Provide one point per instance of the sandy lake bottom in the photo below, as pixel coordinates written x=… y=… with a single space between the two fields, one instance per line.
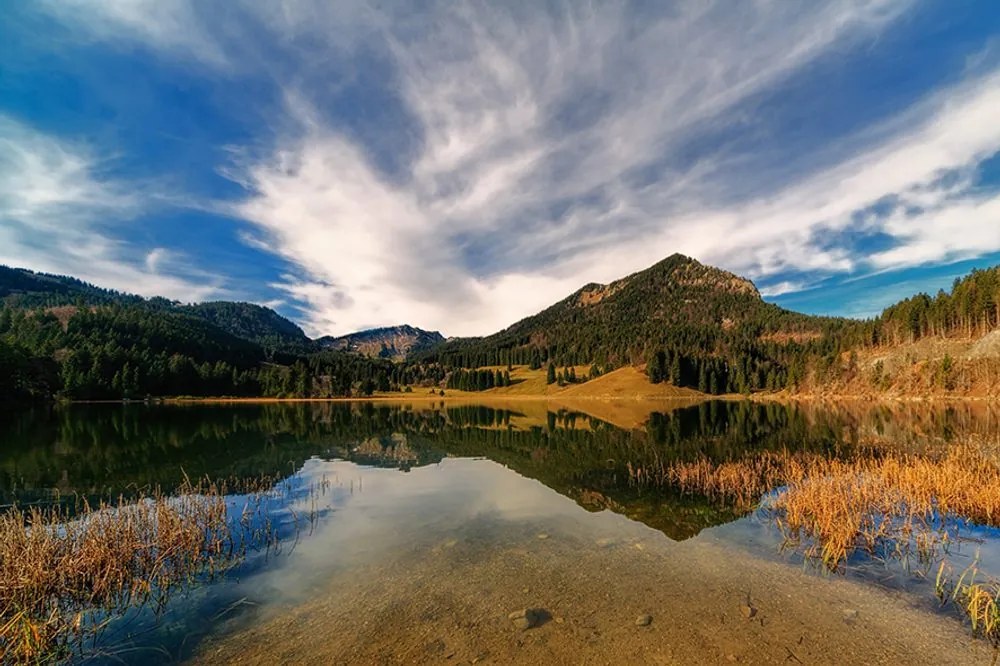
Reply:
x=427 y=566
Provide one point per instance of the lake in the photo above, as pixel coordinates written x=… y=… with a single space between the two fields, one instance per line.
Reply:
x=408 y=533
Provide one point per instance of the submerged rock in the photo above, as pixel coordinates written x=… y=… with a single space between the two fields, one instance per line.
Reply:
x=643 y=620
x=526 y=618
x=749 y=612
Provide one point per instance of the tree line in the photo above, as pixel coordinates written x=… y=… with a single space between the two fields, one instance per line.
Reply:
x=120 y=351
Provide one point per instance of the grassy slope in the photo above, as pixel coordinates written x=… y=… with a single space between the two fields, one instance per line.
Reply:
x=628 y=382
x=623 y=397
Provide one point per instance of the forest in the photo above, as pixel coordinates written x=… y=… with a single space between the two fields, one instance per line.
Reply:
x=130 y=352
x=689 y=325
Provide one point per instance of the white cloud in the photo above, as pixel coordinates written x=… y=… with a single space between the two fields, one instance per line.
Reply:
x=176 y=25
x=57 y=213
x=551 y=150
x=494 y=95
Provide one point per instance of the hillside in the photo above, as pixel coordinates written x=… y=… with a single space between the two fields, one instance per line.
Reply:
x=63 y=337
x=712 y=328
x=20 y=287
x=252 y=322
x=393 y=342
x=677 y=300
x=698 y=327
x=676 y=329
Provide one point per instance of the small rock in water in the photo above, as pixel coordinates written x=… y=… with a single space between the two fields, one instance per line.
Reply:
x=526 y=618
x=605 y=542
x=643 y=620
x=850 y=615
x=748 y=611
x=543 y=536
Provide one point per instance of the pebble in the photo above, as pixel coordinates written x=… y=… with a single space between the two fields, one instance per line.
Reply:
x=543 y=536
x=526 y=618
x=748 y=611
x=850 y=615
x=643 y=620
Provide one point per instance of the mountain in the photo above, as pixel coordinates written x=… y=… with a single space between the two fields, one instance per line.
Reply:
x=252 y=322
x=679 y=322
x=22 y=288
x=678 y=304
x=393 y=342
x=700 y=327
x=60 y=336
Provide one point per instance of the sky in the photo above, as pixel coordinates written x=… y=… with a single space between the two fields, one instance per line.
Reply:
x=460 y=165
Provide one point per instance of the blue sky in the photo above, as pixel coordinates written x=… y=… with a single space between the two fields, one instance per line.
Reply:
x=457 y=166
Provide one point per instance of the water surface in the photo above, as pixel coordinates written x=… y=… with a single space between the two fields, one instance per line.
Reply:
x=429 y=523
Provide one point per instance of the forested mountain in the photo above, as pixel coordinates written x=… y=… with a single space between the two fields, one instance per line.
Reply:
x=393 y=342
x=63 y=337
x=682 y=322
x=23 y=288
x=255 y=323
x=701 y=326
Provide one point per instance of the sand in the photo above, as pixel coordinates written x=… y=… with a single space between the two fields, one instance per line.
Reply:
x=448 y=603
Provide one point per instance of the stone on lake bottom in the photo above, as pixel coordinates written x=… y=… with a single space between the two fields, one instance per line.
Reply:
x=526 y=618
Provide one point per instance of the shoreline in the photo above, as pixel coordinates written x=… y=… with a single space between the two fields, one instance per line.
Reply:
x=492 y=397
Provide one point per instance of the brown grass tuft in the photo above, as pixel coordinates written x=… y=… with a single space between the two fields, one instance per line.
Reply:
x=889 y=505
x=64 y=574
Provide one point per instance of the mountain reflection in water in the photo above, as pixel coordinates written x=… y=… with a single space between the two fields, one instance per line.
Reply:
x=104 y=450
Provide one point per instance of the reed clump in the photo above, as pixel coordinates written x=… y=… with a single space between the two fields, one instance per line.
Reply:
x=841 y=505
x=888 y=505
x=885 y=504
x=64 y=573
x=979 y=601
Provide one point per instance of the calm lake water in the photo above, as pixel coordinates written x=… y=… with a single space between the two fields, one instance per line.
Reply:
x=359 y=486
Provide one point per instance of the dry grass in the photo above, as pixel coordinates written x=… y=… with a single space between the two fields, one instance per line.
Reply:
x=65 y=574
x=840 y=506
x=980 y=602
x=890 y=505
x=627 y=382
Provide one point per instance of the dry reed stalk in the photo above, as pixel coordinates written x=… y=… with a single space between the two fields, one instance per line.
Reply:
x=893 y=504
x=60 y=573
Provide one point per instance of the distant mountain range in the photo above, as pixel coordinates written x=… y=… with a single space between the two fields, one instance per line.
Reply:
x=679 y=321
x=255 y=323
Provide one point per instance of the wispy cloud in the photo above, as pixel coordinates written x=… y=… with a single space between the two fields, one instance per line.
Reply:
x=59 y=211
x=535 y=131
x=538 y=148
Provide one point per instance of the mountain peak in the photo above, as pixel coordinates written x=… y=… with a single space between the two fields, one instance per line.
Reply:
x=394 y=342
x=676 y=272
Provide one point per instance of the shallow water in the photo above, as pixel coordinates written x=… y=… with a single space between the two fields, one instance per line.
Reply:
x=435 y=509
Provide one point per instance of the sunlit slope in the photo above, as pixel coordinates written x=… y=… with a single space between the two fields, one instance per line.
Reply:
x=627 y=382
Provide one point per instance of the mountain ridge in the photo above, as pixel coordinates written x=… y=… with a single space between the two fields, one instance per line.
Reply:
x=392 y=342
x=684 y=324
x=24 y=288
